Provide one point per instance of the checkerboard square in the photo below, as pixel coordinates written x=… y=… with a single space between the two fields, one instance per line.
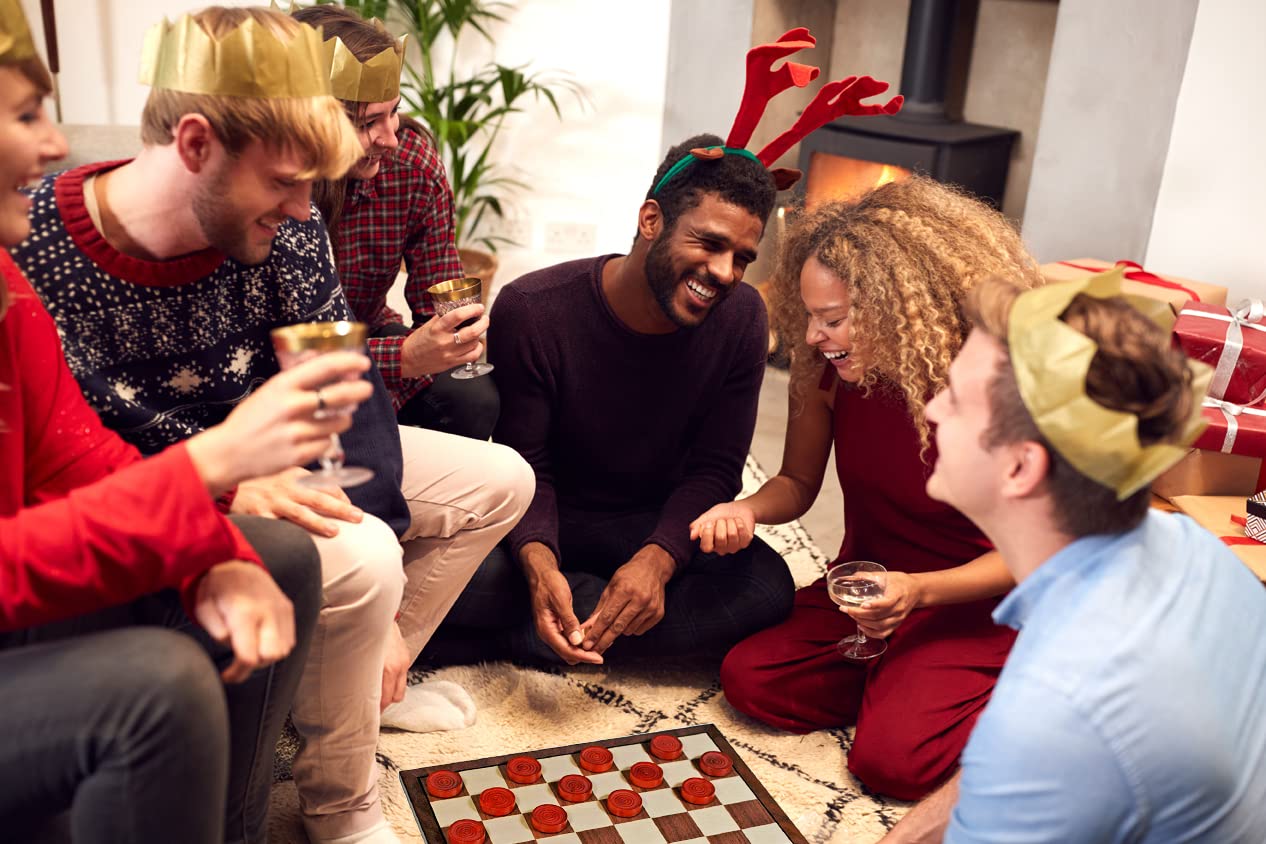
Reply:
x=661 y=802
x=769 y=834
x=732 y=790
x=605 y=835
x=512 y=829
x=565 y=838
x=554 y=768
x=675 y=773
x=714 y=820
x=530 y=796
x=678 y=828
x=605 y=783
x=626 y=756
x=697 y=745
x=643 y=832
x=586 y=816
x=479 y=779
x=448 y=812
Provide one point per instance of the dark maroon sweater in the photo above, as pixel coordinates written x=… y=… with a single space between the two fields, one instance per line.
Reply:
x=615 y=421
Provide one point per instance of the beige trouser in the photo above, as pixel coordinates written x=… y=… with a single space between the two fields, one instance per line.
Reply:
x=463 y=496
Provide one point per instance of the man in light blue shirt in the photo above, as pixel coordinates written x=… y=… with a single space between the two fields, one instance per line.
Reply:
x=1133 y=705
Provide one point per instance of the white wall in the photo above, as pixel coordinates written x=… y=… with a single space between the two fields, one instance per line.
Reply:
x=1209 y=221
x=589 y=171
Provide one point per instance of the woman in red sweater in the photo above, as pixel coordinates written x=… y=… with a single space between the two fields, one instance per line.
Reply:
x=868 y=293
x=122 y=587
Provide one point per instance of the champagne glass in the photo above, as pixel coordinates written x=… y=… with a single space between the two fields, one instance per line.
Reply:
x=851 y=585
x=450 y=295
x=295 y=344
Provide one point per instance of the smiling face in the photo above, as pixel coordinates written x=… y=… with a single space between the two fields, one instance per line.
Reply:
x=241 y=201
x=377 y=129
x=695 y=265
x=968 y=475
x=828 y=304
x=28 y=141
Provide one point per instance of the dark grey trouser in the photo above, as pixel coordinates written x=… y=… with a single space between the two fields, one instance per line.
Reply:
x=121 y=718
x=709 y=606
x=464 y=407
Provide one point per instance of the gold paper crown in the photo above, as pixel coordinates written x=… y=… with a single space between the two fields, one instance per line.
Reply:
x=250 y=61
x=1051 y=359
x=15 y=36
x=374 y=81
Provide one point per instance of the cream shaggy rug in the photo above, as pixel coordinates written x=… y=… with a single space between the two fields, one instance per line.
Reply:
x=523 y=709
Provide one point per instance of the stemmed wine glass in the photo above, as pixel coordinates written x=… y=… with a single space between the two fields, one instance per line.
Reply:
x=851 y=585
x=295 y=344
x=450 y=295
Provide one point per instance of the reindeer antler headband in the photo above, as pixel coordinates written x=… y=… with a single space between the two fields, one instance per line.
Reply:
x=764 y=82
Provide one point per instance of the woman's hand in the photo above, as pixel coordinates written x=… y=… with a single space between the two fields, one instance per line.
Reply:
x=724 y=529
x=880 y=616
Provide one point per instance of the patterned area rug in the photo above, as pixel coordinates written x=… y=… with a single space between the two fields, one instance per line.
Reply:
x=526 y=708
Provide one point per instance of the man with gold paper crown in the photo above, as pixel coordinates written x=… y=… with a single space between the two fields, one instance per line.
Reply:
x=1130 y=708
x=166 y=274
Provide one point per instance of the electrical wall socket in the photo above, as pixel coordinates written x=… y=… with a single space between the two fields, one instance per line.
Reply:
x=517 y=230
x=571 y=238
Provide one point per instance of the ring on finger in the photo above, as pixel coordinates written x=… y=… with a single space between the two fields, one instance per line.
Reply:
x=457 y=337
x=320 y=408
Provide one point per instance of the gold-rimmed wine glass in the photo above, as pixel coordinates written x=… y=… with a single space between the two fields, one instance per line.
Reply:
x=851 y=585
x=295 y=344
x=450 y=295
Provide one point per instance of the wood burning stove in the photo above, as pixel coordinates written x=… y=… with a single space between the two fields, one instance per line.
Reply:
x=850 y=155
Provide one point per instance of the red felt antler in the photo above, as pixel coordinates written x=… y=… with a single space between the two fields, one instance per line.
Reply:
x=764 y=83
x=835 y=99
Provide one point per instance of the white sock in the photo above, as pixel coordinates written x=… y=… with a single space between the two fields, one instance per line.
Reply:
x=379 y=833
x=431 y=707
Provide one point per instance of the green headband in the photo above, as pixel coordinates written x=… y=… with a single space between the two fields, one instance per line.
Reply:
x=690 y=158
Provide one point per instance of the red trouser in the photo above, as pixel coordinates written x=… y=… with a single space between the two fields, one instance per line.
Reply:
x=914 y=706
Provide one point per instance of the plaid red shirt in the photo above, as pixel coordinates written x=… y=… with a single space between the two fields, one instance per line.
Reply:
x=405 y=212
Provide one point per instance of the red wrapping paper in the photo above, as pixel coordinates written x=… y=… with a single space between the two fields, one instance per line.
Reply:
x=1232 y=342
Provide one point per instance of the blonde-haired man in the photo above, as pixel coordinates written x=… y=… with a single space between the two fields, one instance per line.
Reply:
x=167 y=272
x=1130 y=707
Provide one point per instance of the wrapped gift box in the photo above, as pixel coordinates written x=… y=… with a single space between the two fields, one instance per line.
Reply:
x=1210 y=473
x=1234 y=429
x=1169 y=288
x=1232 y=342
x=1214 y=512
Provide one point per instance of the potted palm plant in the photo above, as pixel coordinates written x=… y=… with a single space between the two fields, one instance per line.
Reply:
x=466 y=109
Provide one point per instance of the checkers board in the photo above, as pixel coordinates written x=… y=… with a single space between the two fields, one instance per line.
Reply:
x=736 y=809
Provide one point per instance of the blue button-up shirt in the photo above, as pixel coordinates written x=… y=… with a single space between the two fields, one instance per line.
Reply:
x=1133 y=705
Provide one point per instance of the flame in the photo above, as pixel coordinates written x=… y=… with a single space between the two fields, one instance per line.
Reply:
x=886 y=175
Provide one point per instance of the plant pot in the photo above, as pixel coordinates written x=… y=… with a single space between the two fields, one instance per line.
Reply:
x=481 y=265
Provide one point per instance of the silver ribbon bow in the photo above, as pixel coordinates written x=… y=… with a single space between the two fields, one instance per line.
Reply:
x=1229 y=413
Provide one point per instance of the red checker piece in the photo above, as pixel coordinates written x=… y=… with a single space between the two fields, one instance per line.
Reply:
x=697 y=790
x=667 y=748
x=549 y=818
x=596 y=759
x=523 y=770
x=444 y=784
x=574 y=788
x=715 y=764
x=646 y=775
x=467 y=831
x=624 y=803
x=496 y=801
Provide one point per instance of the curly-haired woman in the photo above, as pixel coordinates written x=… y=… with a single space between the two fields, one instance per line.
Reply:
x=874 y=288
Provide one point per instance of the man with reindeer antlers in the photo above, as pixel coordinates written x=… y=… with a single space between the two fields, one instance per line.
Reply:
x=630 y=384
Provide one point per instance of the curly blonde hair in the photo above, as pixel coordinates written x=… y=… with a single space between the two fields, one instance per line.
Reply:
x=908 y=251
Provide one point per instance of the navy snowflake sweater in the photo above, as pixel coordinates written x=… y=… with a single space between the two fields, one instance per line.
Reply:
x=164 y=349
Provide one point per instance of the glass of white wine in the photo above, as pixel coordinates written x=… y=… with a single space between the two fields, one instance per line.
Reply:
x=851 y=585
x=295 y=344
x=451 y=295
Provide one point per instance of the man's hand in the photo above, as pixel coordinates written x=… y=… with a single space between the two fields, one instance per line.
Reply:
x=395 y=668
x=240 y=605
x=556 y=622
x=724 y=529
x=280 y=496
x=633 y=601
x=433 y=347
x=878 y=617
